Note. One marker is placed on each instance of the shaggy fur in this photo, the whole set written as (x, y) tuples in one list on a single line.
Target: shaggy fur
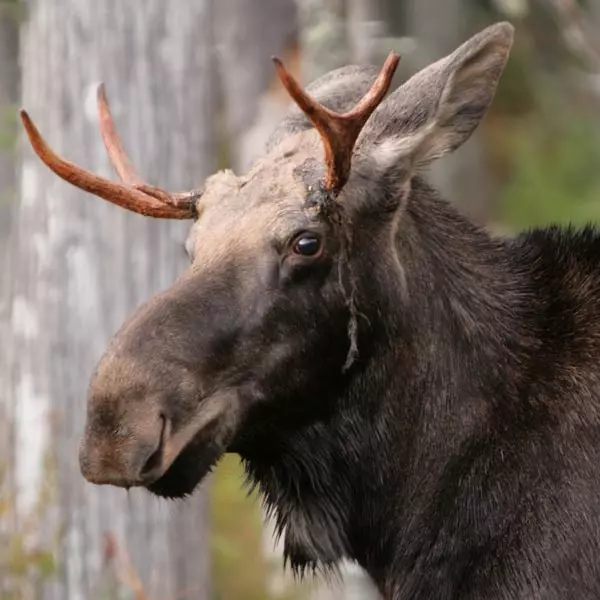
[(463, 462)]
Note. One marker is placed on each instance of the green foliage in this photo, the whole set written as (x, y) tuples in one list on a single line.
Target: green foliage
[(13, 9), (240, 569), (555, 174), (9, 127), (25, 561), (8, 143)]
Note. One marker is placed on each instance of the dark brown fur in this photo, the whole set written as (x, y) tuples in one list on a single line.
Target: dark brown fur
[(455, 455)]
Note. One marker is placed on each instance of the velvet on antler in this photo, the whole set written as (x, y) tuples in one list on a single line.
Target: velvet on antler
[(339, 132), (133, 194)]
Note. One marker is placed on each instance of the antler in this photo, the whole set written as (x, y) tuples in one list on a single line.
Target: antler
[(133, 194), (339, 132)]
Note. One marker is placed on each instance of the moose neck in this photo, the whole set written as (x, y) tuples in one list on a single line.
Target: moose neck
[(446, 317)]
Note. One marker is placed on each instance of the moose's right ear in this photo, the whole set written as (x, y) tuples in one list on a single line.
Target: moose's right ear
[(437, 110)]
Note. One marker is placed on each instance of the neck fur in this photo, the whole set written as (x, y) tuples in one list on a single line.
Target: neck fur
[(357, 484)]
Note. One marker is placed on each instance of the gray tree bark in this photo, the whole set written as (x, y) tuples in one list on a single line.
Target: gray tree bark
[(84, 264), (9, 95), (248, 33)]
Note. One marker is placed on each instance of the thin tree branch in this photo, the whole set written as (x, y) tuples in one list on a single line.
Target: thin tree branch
[(126, 574)]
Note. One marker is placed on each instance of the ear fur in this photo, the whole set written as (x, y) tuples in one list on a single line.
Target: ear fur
[(437, 110)]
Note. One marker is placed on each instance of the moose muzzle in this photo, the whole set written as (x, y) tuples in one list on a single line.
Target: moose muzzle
[(129, 453)]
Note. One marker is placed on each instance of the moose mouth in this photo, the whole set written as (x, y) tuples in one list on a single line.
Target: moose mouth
[(174, 465), (191, 465), (215, 428)]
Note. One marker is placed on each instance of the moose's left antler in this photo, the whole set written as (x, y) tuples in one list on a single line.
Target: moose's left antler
[(133, 194), (339, 131)]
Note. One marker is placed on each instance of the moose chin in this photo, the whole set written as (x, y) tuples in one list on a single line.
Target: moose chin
[(405, 389)]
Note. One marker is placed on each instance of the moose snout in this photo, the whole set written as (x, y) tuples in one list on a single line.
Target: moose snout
[(124, 457), (140, 393)]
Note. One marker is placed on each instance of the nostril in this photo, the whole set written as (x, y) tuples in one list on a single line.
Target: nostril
[(155, 459)]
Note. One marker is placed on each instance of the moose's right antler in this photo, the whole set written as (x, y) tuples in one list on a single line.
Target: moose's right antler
[(339, 132), (133, 194)]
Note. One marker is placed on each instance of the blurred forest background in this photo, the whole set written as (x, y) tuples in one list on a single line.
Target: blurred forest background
[(193, 89)]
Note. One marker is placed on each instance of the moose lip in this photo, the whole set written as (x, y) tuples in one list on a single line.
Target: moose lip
[(186, 456), (193, 463), (153, 468)]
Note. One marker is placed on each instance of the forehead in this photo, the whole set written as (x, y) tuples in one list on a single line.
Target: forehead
[(269, 201)]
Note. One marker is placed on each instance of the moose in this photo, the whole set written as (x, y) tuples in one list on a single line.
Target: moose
[(405, 389)]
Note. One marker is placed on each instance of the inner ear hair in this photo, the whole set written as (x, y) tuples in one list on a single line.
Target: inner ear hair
[(437, 110)]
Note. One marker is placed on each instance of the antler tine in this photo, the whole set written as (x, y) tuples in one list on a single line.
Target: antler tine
[(339, 131), (128, 197), (112, 141), (120, 161)]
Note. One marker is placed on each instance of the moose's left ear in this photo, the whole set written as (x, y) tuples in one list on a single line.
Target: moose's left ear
[(437, 109)]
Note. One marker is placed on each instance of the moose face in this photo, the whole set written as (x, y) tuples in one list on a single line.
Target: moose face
[(262, 327), (252, 321)]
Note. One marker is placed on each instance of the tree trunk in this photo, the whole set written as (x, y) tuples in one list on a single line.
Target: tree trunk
[(84, 264), (9, 95), (249, 32)]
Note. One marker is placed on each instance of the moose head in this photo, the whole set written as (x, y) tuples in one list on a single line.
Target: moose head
[(297, 317)]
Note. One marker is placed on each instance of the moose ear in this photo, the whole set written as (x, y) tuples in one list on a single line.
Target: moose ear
[(437, 110)]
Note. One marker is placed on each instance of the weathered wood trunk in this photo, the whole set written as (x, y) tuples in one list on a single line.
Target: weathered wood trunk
[(248, 33), (84, 264), (9, 95)]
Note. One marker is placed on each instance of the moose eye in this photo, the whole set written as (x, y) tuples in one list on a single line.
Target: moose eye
[(307, 245)]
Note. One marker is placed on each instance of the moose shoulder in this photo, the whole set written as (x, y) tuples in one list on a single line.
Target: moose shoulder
[(404, 389)]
